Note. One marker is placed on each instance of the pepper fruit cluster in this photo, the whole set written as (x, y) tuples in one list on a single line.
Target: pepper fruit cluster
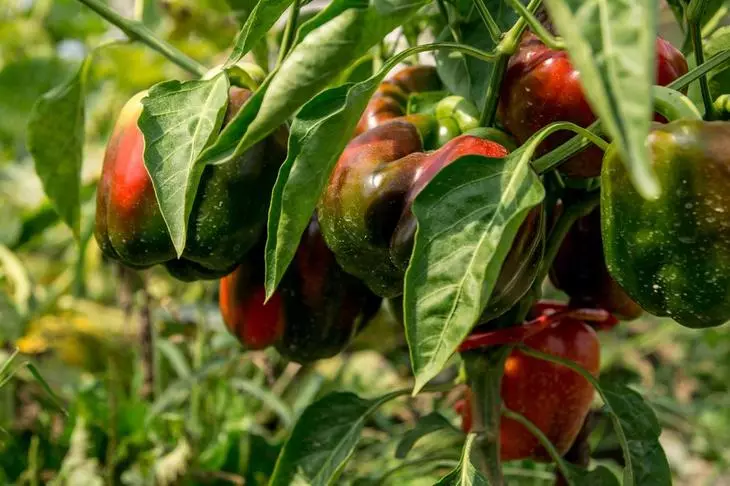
[(313, 314), (365, 210), (224, 223)]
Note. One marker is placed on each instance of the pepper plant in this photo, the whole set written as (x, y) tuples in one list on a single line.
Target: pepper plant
[(445, 157)]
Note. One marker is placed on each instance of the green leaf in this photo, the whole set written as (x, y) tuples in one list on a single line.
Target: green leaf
[(641, 428), (465, 474), (178, 121), (432, 422), (612, 44), (600, 476), (317, 137), (719, 79), (465, 75), (650, 464), (56, 142), (468, 216), (330, 43), (324, 438), (637, 419), (262, 17)]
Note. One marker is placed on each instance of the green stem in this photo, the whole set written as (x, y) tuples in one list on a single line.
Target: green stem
[(593, 381), (714, 62), (543, 165), (289, 32), (484, 371), (445, 14), (540, 31), (696, 35), (535, 431), (491, 98), (511, 40), (494, 31), (138, 32)]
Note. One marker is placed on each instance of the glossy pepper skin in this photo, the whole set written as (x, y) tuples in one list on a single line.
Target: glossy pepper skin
[(225, 221), (579, 270), (313, 314), (672, 254), (554, 398), (541, 86), (391, 98), (365, 209)]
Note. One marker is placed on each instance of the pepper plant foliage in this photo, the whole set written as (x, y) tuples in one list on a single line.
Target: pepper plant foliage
[(469, 212)]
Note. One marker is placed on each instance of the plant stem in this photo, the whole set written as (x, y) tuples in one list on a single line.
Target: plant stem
[(540, 31), (138, 32), (484, 370), (147, 348), (535, 431), (716, 61), (511, 40), (494, 31), (696, 35), (289, 32), (491, 98)]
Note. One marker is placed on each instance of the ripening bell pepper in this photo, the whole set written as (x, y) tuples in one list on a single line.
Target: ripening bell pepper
[(313, 314), (225, 221), (579, 270), (365, 210), (553, 397), (541, 86), (672, 254), (391, 98)]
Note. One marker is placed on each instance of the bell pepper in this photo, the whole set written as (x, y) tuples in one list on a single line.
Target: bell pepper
[(225, 221), (579, 270), (365, 210), (541, 86), (391, 98), (313, 314), (672, 254), (554, 398)]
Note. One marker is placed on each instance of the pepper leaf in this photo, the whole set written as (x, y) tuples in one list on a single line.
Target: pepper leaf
[(647, 463), (324, 438), (178, 121), (262, 17), (465, 474), (600, 476), (429, 424), (468, 216), (58, 154), (612, 44), (327, 45)]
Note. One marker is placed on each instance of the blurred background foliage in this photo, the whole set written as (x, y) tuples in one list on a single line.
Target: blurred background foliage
[(218, 415)]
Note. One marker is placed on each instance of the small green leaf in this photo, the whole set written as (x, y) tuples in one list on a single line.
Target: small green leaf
[(178, 121), (612, 44), (600, 476), (650, 464), (429, 424), (327, 45), (465, 474), (464, 75), (638, 420), (262, 17), (56, 142), (324, 438), (468, 216)]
